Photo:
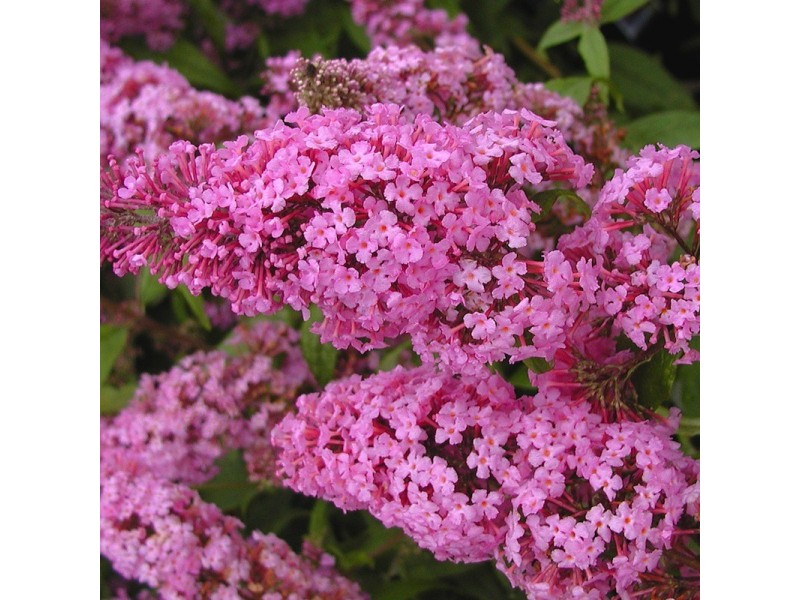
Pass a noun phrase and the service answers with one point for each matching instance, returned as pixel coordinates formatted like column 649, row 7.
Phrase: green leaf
column 594, row 51
column 577, row 88
column 317, row 30
column 481, row 581
column 560, row 32
column 406, row 589
column 230, row 489
column 318, row 526
column 377, row 537
column 192, row 64
column 213, row 20
column 321, row 358
column 195, row 306
column 148, row 289
column 614, row 10
column 644, row 83
column 453, row 7
column 653, row 380
column 519, row 379
column 391, row 358
column 686, row 393
column 112, row 343
column 284, row 520
column 669, row 128
column 435, row 569
column 537, row 364
column 287, row 315
column 271, row 511
column 262, row 46
column 548, row 198
column 355, row 32
column 113, row 400
column 354, row 559
column 689, row 426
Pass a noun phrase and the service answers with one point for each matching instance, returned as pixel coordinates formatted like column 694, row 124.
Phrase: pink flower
column 657, row 200
column 481, row 325
column 472, row 275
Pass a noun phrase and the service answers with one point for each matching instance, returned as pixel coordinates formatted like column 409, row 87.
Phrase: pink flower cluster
column 164, row 535
column 147, row 106
column 179, row 422
column 155, row 529
column 413, row 448
column 157, row 20
column 644, row 216
column 454, row 83
column 408, row 22
column 391, row 226
column 607, row 508
column 160, row 20
column 587, row 11
column 567, row 505
column 451, row 83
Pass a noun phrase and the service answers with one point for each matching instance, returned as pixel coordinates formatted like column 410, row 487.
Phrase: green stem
column 536, row 57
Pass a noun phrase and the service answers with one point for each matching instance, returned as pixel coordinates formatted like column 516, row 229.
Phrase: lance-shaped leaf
column 321, row 358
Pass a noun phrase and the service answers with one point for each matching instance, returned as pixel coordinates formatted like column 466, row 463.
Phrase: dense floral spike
column 157, row 20
column 164, row 535
column 181, row 421
column 409, row 22
column 415, row 448
column 607, row 507
column 644, row 215
column 467, row 470
column 155, row 530
column 390, row 226
column 147, row 106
